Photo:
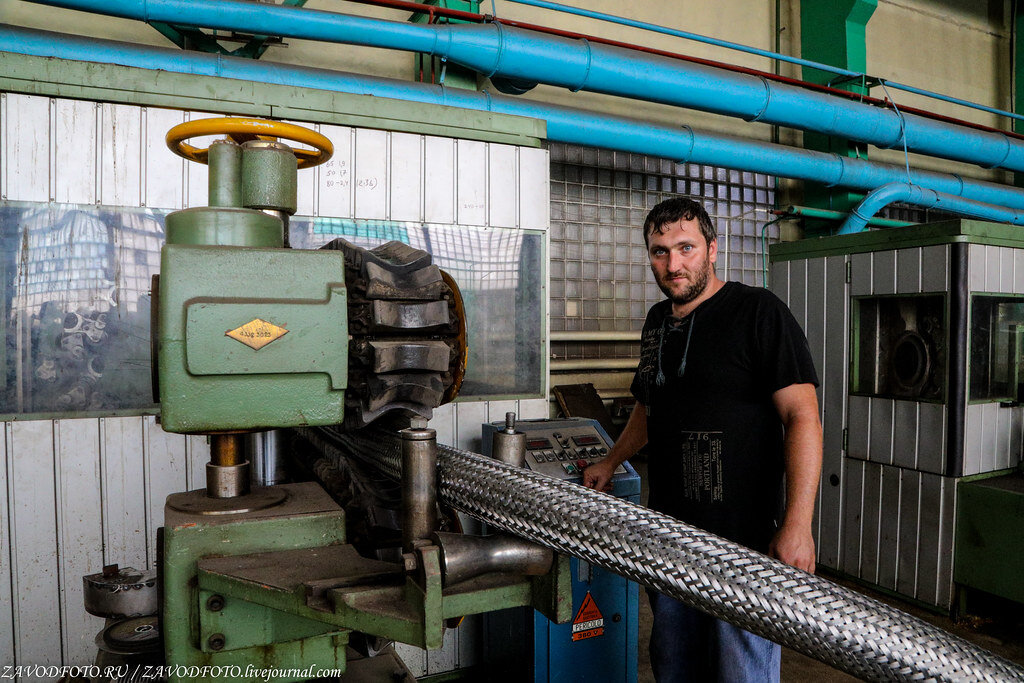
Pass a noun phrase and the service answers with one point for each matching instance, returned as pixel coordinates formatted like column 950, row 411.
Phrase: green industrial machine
column 251, row 335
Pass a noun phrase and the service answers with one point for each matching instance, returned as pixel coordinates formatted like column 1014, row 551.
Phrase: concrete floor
column 996, row 625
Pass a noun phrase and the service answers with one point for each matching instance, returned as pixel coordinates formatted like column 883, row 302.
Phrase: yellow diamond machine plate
column 257, row 333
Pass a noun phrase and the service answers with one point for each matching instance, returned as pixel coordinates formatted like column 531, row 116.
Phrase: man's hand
column 794, row 547
column 599, row 476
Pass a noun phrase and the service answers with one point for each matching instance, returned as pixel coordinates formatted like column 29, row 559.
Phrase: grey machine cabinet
column 917, row 335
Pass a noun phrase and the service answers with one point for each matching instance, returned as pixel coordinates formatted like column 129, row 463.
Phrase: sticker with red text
column 588, row 622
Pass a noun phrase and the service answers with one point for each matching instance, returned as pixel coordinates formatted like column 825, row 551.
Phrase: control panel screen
column 586, row 440
column 535, row 444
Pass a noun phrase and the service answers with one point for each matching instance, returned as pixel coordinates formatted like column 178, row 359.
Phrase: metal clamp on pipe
column 463, row 557
column 419, row 486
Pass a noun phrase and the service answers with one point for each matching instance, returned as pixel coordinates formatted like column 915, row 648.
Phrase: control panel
column 559, row 448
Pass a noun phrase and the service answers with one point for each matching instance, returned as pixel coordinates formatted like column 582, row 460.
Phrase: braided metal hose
column 844, row 629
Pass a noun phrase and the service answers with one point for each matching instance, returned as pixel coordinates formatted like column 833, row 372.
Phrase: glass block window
column 600, row 277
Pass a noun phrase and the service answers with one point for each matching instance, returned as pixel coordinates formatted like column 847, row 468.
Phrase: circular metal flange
column 198, row 503
column 131, row 636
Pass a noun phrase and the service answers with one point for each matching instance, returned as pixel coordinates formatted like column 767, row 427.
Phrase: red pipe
column 433, row 11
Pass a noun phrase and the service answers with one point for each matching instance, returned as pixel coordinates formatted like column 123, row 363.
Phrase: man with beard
column 726, row 403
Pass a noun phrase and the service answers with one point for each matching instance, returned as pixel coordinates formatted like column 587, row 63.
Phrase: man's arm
column 632, row 439
column 797, row 406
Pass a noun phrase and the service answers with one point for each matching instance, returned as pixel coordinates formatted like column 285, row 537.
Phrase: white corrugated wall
column 81, row 493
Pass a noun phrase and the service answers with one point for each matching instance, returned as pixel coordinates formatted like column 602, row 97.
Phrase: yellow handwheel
column 243, row 130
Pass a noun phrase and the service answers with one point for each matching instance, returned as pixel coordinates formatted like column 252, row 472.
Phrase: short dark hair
column 675, row 209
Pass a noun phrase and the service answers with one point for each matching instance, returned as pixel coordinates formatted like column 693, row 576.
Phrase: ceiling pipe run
column 881, row 197
column 564, row 124
column 435, row 11
column 505, row 52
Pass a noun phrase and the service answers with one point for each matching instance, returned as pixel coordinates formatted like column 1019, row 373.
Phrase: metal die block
column 414, row 611
column 307, row 518
column 254, row 600
column 243, row 343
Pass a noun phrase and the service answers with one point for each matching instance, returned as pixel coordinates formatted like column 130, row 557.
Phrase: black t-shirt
column 715, row 438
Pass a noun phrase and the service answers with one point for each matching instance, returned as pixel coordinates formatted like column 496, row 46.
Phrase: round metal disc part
column 198, row 503
column 131, row 636
column 120, row 593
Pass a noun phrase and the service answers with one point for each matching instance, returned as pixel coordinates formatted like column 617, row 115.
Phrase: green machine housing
column 225, row 268
column 252, row 335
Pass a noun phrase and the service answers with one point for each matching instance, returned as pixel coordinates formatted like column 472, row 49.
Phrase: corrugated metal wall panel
column 123, row 481
column 34, row 537
column 164, row 171
column 908, row 271
column 333, row 180
column 471, row 182
column 1018, row 270
column 814, row 314
column 880, row 430
column 371, row 174
column 905, row 433
column 883, row 272
column 935, row 268
column 779, row 279
column 928, row 539
column 976, row 259
column 120, row 155
column 25, row 146
column 798, row 291
column 834, row 378
column 947, row 515
column 889, row 527
column 870, row 531
column 80, row 526
column 534, row 182
column 440, row 182
column 853, row 515
column 468, row 418
column 502, row 186
column 534, row 408
column 75, row 151
column 910, row 528
column 1002, row 458
column 1006, row 274
column 931, row 438
column 7, row 614
column 406, row 177
column 974, row 426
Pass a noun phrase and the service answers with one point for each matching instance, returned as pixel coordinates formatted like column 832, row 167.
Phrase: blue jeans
column 688, row 645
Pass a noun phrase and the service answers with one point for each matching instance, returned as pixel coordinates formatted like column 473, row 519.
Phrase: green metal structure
column 989, row 543
column 834, row 33
column 261, row 584
column 226, row 267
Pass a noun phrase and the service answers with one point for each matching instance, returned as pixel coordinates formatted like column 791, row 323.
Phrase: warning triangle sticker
column 589, row 621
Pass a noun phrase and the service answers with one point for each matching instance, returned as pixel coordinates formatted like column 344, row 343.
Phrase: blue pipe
column 882, row 196
column 564, row 124
column 739, row 47
column 496, row 50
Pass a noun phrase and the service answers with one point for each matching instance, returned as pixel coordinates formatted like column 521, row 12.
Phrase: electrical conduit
column 926, row 198
column 564, row 124
column 526, row 56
